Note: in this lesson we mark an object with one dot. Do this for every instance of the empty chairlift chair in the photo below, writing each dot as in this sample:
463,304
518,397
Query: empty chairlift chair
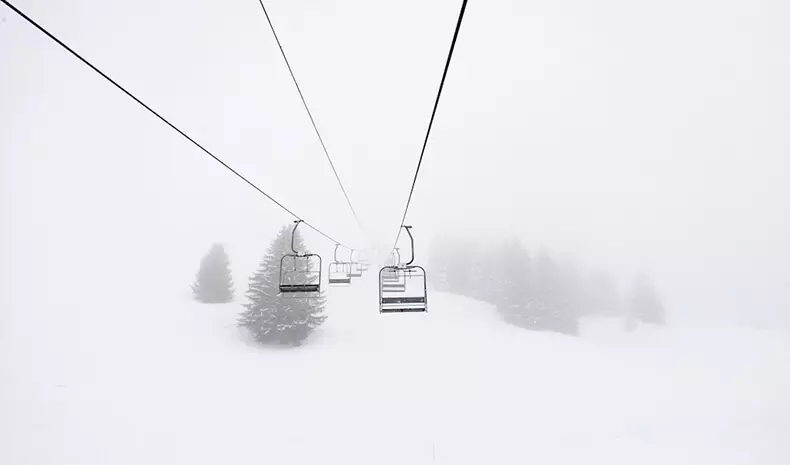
403,287
300,272
364,265
339,272
362,262
355,270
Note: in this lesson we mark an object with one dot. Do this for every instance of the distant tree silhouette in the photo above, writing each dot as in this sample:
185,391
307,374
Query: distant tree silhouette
534,294
514,285
600,297
214,283
550,305
644,304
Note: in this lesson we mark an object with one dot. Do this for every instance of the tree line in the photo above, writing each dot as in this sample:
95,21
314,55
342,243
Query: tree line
538,293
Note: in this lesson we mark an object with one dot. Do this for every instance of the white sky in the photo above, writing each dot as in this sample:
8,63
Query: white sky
629,135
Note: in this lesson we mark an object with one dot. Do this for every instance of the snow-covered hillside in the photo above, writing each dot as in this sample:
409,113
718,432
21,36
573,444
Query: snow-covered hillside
174,382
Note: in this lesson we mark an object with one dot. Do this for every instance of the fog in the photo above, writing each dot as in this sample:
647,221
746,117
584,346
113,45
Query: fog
618,139
627,136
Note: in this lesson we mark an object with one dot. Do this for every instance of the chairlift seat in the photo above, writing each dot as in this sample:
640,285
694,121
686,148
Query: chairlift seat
339,274
291,288
340,280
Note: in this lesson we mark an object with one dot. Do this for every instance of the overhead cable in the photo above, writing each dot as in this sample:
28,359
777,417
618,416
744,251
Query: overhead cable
430,124
310,115
163,119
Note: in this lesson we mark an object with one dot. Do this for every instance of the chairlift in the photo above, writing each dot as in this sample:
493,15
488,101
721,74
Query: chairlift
364,262
361,262
364,265
403,287
339,272
300,272
355,271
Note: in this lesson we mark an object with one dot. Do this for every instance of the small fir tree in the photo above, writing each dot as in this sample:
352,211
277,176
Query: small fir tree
214,283
270,317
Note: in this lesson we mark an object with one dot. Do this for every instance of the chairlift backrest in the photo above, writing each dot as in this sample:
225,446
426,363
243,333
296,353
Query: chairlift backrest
339,274
355,271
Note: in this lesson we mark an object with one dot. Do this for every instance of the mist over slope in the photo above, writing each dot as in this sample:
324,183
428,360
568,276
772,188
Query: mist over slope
590,130
173,381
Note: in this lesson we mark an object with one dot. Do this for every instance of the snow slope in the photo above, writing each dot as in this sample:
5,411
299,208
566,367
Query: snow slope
170,381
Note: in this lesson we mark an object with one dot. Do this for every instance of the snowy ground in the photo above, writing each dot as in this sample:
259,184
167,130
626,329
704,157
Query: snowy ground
172,381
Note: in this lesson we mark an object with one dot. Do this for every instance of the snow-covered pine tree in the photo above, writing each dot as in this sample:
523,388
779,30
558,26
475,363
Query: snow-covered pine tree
271,317
644,304
214,283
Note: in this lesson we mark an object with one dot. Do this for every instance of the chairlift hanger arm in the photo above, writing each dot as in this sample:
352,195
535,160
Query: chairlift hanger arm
411,238
293,235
